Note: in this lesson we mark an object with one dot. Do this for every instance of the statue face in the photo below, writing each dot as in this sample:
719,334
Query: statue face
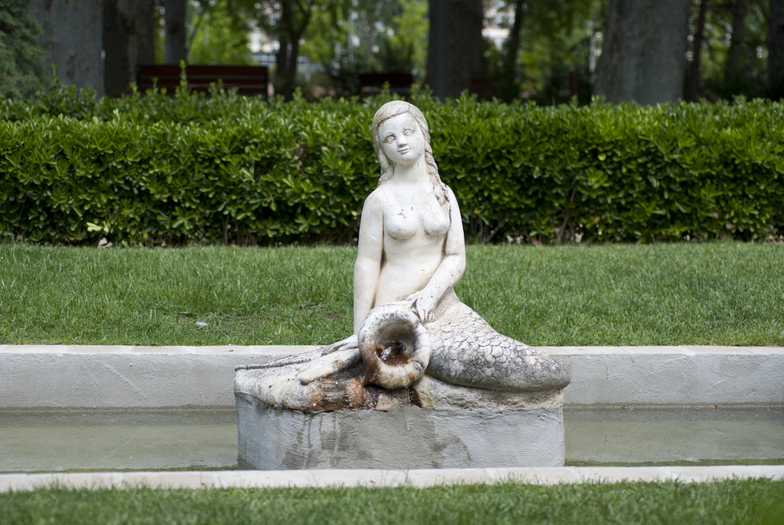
401,140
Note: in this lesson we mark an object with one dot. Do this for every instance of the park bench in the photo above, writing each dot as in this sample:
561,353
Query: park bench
372,83
249,80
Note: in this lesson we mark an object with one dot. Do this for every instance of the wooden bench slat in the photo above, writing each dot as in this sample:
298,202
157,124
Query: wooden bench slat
374,82
379,79
249,80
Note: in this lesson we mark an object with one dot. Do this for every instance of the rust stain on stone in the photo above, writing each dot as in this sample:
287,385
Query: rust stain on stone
336,393
413,397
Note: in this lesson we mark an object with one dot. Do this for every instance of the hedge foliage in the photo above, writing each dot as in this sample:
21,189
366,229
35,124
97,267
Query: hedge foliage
231,169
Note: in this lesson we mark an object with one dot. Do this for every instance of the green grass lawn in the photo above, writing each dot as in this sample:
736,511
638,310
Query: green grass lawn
734,501
721,293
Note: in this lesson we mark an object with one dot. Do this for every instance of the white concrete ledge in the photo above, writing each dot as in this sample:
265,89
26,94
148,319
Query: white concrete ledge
673,375
63,376
383,478
81,376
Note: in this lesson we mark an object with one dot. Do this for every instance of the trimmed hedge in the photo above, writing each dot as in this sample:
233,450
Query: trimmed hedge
232,169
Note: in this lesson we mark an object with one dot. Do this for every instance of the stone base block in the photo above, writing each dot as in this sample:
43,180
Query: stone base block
404,437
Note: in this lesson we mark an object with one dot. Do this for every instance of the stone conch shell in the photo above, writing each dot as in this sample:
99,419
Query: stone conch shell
394,345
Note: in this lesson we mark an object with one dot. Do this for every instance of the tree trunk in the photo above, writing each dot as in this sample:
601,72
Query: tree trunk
512,49
286,23
294,19
127,42
281,63
478,60
731,67
146,24
643,56
175,31
437,52
72,40
694,70
776,49
452,41
291,69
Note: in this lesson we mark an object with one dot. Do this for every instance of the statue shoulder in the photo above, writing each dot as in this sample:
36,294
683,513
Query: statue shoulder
450,195
374,203
377,198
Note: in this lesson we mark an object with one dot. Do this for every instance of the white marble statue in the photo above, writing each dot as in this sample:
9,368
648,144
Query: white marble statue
411,254
424,381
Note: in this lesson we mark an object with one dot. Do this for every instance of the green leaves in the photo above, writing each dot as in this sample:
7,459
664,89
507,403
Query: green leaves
188,168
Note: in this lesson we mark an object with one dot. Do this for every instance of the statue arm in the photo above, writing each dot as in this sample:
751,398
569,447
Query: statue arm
449,271
367,268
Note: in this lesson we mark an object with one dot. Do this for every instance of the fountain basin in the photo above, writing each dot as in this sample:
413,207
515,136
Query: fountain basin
108,407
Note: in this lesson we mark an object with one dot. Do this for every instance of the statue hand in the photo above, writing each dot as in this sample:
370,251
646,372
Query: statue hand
334,358
345,344
423,304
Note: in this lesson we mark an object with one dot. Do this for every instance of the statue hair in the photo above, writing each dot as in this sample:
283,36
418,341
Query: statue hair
393,109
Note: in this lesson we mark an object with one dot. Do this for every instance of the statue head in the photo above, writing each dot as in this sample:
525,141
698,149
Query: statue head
393,109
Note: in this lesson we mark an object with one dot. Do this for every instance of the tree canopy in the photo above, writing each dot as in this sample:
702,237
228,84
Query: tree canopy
21,60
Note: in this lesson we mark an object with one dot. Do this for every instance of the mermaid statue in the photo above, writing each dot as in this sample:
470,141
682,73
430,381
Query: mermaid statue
414,341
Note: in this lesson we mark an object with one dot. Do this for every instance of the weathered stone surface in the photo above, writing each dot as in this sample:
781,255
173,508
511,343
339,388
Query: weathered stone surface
465,350
336,422
439,395
278,386
404,437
